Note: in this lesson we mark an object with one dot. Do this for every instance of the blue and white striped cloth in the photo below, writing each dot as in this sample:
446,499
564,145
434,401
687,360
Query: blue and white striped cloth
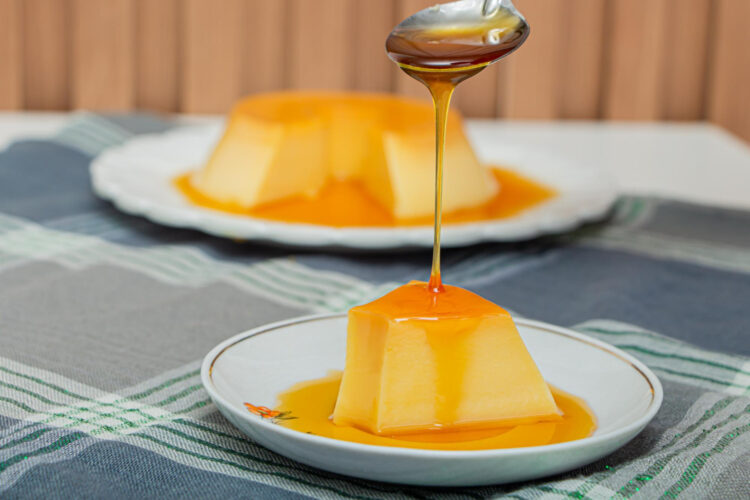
104,318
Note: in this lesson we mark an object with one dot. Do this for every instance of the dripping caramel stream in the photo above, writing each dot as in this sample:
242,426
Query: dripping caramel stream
441,84
441,96
441,56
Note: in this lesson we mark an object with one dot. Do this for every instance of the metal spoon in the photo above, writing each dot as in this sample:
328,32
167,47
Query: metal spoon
458,34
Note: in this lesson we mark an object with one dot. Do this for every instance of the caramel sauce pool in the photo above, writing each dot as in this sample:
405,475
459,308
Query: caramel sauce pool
310,405
517,193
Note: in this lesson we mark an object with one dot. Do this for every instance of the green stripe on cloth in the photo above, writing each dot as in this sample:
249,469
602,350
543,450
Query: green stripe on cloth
642,478
26,438
57,445
580,493
36,433
698,377
166,263
311,482
674,359
101,410
689,476
633,486
650,352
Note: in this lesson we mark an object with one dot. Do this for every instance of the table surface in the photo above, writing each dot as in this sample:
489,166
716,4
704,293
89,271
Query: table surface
696,162
105,319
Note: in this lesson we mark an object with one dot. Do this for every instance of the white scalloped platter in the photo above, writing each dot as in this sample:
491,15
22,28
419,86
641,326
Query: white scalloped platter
137,178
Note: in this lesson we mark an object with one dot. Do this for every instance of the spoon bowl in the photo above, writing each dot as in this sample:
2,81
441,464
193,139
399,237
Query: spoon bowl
458,35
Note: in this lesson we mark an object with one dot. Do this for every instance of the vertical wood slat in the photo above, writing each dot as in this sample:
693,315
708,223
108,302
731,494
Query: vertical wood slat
11,64
684,65
321,51
477,96
582,59
103,54
212,55
729,88
633,89
657,63
265,46
46,54
157,41
531,84
373,20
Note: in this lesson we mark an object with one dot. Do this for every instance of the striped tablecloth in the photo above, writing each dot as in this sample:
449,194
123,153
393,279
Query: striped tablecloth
104,318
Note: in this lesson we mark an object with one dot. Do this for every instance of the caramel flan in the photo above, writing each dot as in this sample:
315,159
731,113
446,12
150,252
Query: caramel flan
291,144
419,360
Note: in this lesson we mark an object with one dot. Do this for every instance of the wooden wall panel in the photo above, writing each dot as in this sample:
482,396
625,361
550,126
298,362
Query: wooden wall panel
103,54
477,97
212,36
373,21
46,54
322,48
11,59
625,59
531,85
582,59
157,54
685,62
633,88
729,98
265,46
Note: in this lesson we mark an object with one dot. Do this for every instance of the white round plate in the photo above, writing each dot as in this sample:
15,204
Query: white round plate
137,177
257,365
